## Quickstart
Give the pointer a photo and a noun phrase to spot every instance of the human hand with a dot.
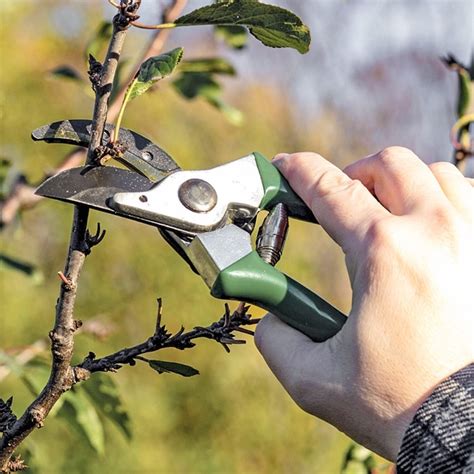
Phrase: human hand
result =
(407, 232)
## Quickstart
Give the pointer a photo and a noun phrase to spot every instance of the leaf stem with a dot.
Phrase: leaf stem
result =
(122, 110)
(161, 26)
(461, 123)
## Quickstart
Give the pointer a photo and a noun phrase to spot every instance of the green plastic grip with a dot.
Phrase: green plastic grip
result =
(252, 280)
(277, 190)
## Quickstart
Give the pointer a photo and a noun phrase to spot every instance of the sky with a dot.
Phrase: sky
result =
(376, 61)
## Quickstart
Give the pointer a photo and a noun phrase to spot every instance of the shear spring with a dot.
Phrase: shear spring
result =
(272, 234)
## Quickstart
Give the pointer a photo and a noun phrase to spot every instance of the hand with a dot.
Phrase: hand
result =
(406, 230)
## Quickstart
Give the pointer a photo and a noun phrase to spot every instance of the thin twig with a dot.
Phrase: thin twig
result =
(153, 48)
(97, 327)
(220, 331)
(22, 195)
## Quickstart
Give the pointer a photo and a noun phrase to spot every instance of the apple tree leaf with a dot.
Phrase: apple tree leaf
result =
(273, 26)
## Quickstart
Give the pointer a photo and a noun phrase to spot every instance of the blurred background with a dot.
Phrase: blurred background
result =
(373, 78)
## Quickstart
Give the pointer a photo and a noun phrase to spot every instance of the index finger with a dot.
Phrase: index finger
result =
(344, 207)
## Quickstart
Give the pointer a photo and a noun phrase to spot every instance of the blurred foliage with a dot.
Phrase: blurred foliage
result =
(360, 460)
(461, 136)
(234, 417)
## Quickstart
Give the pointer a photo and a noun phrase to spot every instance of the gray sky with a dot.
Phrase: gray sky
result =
(375, 60)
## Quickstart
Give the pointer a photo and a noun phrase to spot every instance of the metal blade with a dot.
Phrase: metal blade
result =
(94, 187)
(141, 154)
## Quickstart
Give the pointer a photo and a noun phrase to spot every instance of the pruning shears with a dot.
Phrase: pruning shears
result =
(207, 216)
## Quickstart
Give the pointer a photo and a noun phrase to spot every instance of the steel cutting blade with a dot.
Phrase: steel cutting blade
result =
(140, 155)
(94, 187)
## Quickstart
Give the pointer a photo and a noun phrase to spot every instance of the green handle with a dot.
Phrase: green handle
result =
(277, 190)
(252, 280)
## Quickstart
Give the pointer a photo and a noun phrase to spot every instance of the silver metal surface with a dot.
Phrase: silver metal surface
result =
(212, 252)
(272, 234)
(239, 192)
(197, 195)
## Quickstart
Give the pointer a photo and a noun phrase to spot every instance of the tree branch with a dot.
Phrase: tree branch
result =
(62, 336)
(23, 194)
(154, 47)
(221, 331)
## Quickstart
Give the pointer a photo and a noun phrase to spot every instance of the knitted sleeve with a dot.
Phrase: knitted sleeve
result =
(440, 437)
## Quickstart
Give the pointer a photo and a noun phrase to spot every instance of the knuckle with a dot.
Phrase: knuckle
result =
(329, 182)
(442, 218)
(442, 167)
(381, 235)
(393, 154)
(330, 185)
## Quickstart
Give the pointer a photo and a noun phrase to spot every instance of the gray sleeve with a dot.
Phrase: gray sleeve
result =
(440, 437)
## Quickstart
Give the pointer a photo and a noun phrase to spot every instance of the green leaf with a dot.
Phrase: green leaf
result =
(105, 396)
(234, 36)
(273, 26)
(162, 366)
(464, 94)
(99, 41)
(233, 115)
(355, 467)
(35, 375)
(5, 167)
(192, 85)
(11, 363)
(26, 268)
(153, 70)
(80, 413)
(66, 72)
(208, 65)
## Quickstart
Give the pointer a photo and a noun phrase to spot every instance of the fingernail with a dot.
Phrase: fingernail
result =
(280, 157)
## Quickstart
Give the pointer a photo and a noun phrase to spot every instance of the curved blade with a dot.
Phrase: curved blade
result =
(141, 155)
(94, 187)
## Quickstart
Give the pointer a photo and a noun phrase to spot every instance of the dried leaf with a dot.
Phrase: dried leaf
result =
(66, 72)
(28, 269)
(162, 366)
(7, 417)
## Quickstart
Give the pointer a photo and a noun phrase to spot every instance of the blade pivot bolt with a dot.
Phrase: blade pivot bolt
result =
(197, 195)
